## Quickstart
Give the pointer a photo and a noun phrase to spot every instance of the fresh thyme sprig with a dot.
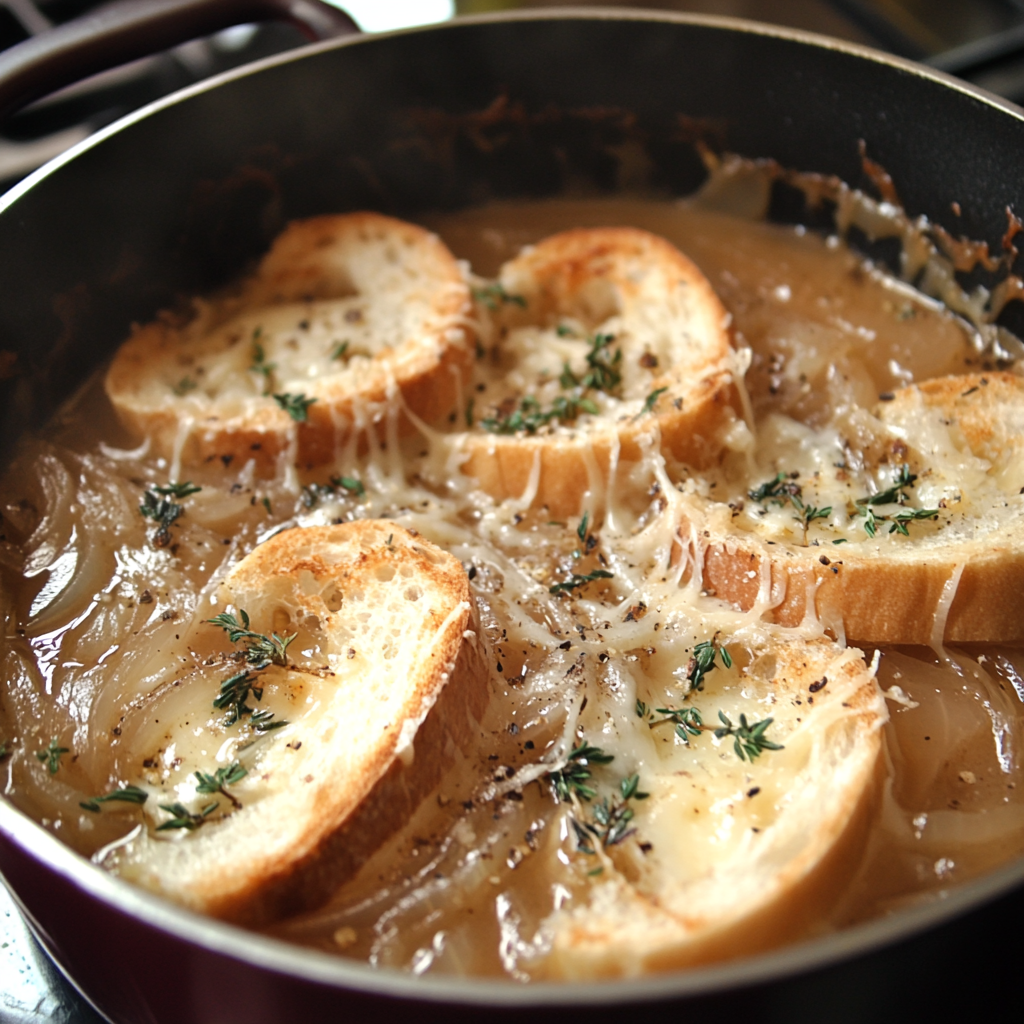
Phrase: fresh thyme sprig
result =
(578, 580)
(572, 779)
(126, 794)
(703, 661)
(261, 366)
(263, 721)
(234, 692)
(531, 417)
(898, 521)
(313, 494)
(177, 490)
(163, 512)
(51, 756)
(780, 489)
(611, 818)
(223, 777)
(297, 406)
(749, 740)
(260, 650)
(494, 295)
(895, 495)
(688, 721)
(182, 817)
(603, 374)
(651, 401)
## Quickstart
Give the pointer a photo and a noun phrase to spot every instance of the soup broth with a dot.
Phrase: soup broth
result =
(107, 646)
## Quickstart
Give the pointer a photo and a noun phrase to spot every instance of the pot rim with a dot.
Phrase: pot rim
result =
(280, 957)
(717, 21)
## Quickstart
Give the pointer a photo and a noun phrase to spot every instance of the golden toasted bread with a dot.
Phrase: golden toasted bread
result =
(389, 684)
(934, 552)
(730, 854)
(342, 314)
(600, 340)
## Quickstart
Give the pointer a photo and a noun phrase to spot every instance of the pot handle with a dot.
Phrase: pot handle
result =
(126, 30)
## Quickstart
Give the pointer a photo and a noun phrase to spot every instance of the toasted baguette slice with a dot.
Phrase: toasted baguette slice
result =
(731, 856)
(668, 364)
(369, 734)
(954, 578)
(342, 310)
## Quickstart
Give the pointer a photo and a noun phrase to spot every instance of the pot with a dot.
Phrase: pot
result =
(182, 196)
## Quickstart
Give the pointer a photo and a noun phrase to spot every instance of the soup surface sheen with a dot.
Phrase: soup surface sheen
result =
(107, 648)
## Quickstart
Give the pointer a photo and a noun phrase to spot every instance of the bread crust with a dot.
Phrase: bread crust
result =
(285, 852)
(621, 276)
(389, 291)
(773, 888)
(895, 594)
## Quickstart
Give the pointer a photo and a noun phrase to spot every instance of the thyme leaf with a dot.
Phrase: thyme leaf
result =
(177, 490)
(578, 580)
(127, 794)
(51, 756)
(703, 661)
(234, 692)
(313, 494)
(651, 401)
(572, 778)
(531, 417)
(260, 364)
(339, 350)
(260, 650)
(163, 512)
(749, 740)
(603, 374)
(182, 817)
(220, 780)
(494, 295)
(895, 495)
(780, 489)
(297, 406)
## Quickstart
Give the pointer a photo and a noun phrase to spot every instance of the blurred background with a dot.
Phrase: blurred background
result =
(981, 40)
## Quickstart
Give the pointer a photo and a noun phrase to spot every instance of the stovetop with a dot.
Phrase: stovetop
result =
(981, 40)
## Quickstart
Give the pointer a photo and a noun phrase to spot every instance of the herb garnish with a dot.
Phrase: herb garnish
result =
(260, 364)
(260, 650)
(297, 406)
(688, 721)
(222, 777)
(651, 401)
(163, 512)
(127, 794)
(572, 779)
(578, 580)
(51, 756)
(703, 661)
(611, 818)
(895, 495)
(314, 493)
(603, 374)
(530, 417)
(261, 721)
(779, 490)
(493, 295)
(898, 520)
(233, 694)
(581, 530)
(749, 741)
(184, 386)
(177, 490)
(339, 350)
(184, 818)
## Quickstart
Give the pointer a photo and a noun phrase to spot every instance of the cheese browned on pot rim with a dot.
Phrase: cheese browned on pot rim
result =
(642, 773)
